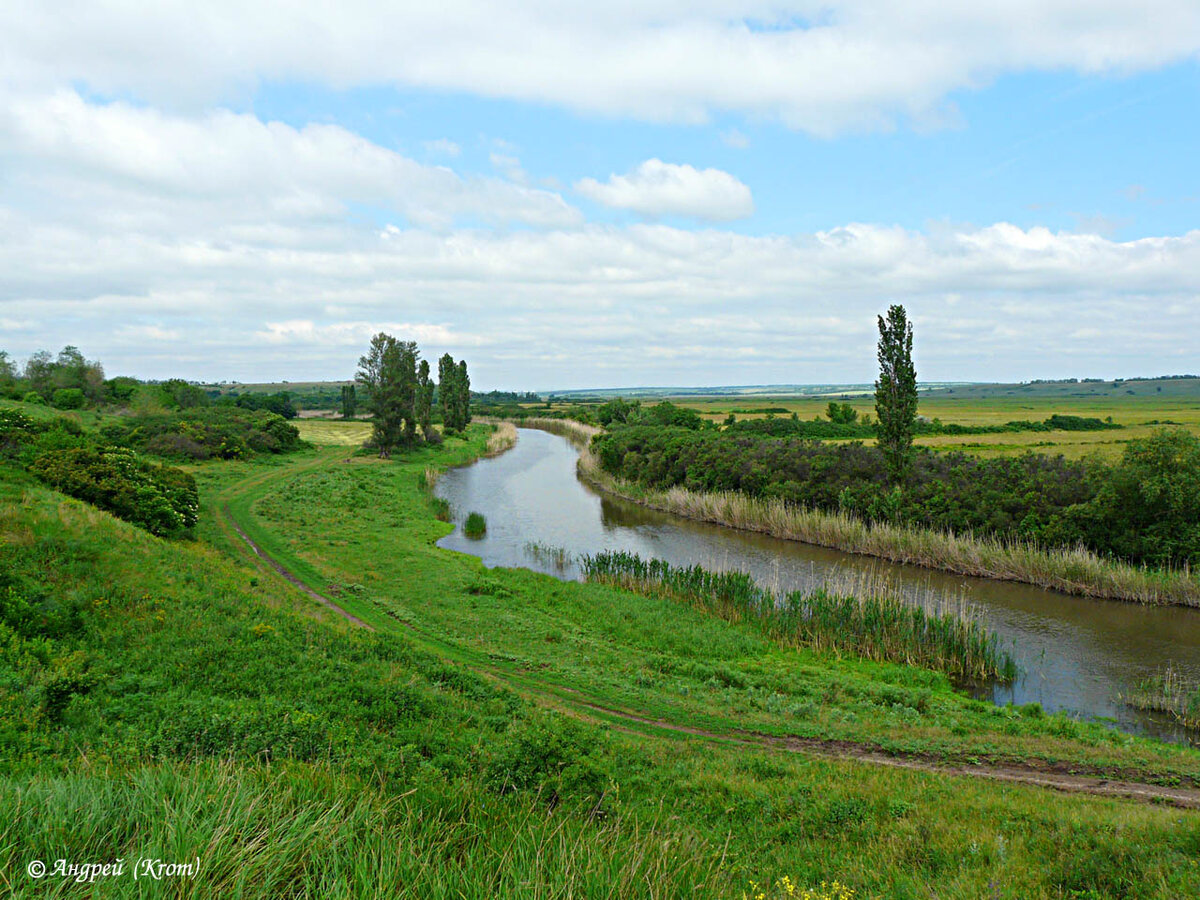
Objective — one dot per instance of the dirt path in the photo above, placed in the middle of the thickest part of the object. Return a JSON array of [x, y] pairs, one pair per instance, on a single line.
[[1059, 778]]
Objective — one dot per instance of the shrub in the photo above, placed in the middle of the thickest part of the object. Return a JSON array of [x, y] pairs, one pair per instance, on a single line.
[[68, 398], [219, 432], [34, 397], [162, 500]]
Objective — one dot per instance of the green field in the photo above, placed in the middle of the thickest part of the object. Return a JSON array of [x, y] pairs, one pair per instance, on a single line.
[[500, 733]]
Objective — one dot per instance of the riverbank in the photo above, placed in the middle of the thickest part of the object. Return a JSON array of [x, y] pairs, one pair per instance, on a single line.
[[1078, 572], [497, 725]]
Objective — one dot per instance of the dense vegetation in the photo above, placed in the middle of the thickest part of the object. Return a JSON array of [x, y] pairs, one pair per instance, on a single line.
[[1143, 509], [173, 700], [161, 499], [220, 432]]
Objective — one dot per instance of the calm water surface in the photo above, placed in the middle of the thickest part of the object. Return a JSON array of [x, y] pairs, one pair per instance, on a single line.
[[1075, 654]]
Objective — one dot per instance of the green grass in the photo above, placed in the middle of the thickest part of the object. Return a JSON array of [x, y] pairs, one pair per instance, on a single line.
[[213, 710], [871, 624]]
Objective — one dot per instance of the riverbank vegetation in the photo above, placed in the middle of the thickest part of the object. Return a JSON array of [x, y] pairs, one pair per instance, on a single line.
[[870, 623], [494, 733]]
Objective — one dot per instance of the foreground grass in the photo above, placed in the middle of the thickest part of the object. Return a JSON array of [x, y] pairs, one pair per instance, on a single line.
[[448, 753]]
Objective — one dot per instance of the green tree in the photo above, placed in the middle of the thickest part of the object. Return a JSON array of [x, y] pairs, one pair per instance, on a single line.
[[424, 404], [896, 392], [463, 397], [349, 401], [382, 379], [841, 413], [447, 392]]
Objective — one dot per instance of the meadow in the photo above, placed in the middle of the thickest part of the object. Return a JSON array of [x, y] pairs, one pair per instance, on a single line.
[[499, 733]]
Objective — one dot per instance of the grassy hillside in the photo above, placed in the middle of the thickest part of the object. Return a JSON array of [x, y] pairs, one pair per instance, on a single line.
[[494, 732]]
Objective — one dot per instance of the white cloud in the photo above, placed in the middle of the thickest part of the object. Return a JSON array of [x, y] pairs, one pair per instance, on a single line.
[[240, 168], [824, 67], [656, 188], [597, 304], [443, 146]]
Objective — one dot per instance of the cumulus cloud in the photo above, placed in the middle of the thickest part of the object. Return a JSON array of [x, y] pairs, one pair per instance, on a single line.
[[656, 188], [241, 167], [824, 67], [601, 304]]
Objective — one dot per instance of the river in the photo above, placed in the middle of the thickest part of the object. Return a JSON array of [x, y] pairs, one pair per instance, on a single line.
[[1075, 654]]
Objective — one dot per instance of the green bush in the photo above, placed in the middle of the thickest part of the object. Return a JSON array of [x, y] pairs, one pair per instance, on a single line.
[[218, 432], [34, 397], [162, 500], [68, 398]]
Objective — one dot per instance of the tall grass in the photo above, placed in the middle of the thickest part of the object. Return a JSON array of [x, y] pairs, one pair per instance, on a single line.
[[1168, 692], [475, 525], [577, 433], [503, 436], [1076, 571], [305, 831], [875, 624]]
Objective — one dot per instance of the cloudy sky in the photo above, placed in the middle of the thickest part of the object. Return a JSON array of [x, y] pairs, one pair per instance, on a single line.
[[603, 194]]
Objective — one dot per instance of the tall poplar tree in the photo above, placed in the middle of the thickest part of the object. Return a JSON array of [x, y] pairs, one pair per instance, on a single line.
[[349, 401], [896, 392], [463, 387], [447, 405], [424, 402]]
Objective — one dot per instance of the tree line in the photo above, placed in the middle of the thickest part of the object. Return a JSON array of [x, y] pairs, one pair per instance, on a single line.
[[400, 395]]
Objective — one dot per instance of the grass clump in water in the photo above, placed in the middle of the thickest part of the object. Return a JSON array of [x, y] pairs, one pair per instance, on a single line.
[[475, 525], [1168, 692], [877, 625]]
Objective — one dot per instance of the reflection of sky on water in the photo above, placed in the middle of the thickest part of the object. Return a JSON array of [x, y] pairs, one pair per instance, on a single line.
[[1075, 654]]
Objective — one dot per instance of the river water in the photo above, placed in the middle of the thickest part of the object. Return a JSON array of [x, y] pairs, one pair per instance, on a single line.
[[1075, 654]]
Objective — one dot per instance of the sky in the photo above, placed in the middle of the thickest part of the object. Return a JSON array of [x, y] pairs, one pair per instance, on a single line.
[[574, 195]]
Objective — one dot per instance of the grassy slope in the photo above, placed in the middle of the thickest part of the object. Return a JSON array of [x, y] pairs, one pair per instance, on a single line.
[[387, 751]]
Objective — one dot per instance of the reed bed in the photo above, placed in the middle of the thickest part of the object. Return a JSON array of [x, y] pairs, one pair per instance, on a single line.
[[577, 433], [879, 625], [1077, 571], [503, 436], [1168, 692]]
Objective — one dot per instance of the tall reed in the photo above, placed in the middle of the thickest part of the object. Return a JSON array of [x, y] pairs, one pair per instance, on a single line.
[[877, 624], [1168, 692], [577, 433], [1077, 571], [503, 436]]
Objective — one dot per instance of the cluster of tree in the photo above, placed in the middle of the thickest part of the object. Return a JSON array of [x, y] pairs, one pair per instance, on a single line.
[[67, 381], [401, 396], [1146, 509], [454, 393], [161, 499]]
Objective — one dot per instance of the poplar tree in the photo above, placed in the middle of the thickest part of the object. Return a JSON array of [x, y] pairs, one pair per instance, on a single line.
[[349, 401], [447, 405], [463, 387], [896, 392], [424, 402]]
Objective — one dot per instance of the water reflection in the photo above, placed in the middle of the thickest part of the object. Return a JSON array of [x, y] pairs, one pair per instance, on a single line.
[[1075, 654]]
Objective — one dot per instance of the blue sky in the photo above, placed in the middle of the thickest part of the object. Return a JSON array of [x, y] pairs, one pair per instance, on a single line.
[[712, 192]]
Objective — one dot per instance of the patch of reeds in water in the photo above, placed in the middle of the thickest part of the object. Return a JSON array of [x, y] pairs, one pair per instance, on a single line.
[[475, 525], [1077, 571], [557, 558], [1168, 692], [873, 623]]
